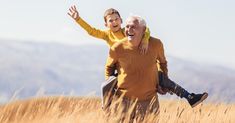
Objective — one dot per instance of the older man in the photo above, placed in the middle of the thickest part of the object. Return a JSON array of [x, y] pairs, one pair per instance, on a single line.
[[137, 74]]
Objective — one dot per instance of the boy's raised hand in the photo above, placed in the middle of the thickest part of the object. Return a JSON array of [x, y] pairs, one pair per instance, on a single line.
[[73, 13]]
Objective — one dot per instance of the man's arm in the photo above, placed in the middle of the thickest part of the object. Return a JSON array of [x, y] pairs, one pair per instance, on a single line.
[[110, 64], [162, 59], [90, 30]]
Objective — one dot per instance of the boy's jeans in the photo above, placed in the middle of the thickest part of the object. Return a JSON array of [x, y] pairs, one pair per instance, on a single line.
[[108, 90], [169, 85]]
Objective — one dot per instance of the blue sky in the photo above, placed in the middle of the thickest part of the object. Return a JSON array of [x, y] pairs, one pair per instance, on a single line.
[[197, 30]]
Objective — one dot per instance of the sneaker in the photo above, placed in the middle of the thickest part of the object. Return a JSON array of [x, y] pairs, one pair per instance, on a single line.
[[195, 99]]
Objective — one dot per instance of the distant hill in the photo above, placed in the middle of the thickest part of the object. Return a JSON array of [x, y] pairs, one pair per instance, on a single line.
[[51, 68]]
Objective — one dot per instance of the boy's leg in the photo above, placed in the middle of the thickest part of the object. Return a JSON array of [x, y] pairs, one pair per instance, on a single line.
[[107, 91], [193, 99], [170, 85]]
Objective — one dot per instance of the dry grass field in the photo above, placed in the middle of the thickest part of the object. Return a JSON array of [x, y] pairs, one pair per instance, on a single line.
[[87, 110]]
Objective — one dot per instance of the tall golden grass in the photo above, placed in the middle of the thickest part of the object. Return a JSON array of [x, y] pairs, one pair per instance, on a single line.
[[88, 110]]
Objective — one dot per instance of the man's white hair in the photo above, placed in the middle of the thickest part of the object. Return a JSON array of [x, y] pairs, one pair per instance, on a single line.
[[141, 21]]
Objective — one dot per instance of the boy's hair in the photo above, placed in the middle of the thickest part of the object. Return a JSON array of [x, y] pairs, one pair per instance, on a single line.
[[110, 12]]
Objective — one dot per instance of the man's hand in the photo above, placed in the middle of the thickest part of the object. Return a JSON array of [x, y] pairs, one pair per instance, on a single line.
[[73, 13], [143, 47], [161, 90]]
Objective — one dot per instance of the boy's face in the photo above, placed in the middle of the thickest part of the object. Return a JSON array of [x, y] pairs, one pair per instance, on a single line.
[[113, 22]]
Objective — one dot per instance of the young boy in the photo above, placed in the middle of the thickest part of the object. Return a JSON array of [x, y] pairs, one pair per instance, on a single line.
[[114, 34]]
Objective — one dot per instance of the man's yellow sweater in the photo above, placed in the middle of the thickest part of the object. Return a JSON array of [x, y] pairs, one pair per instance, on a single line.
[[107, 35], [137, 74]]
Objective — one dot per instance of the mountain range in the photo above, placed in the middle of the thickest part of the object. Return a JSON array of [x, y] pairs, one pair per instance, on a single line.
[[29, 69]]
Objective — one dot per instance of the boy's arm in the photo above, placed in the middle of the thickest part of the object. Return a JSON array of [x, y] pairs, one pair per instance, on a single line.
[[146, 36], [145, 42], [110, 64], [92, 31]]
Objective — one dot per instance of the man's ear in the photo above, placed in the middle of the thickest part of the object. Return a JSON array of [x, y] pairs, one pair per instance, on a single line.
[[121, 21], [105, 24]]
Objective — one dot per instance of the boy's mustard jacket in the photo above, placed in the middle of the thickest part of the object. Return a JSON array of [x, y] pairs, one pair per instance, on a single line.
[[107, 35]]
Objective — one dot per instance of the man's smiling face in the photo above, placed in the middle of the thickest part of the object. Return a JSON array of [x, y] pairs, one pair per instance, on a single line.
[[133, 30]]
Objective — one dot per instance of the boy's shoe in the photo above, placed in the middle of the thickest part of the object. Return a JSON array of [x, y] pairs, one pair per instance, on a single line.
[[195, 99]]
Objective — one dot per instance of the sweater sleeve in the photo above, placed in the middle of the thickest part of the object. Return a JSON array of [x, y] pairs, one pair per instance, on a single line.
[[110, 64], [146, 36], [92, 31], [162, 59]]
